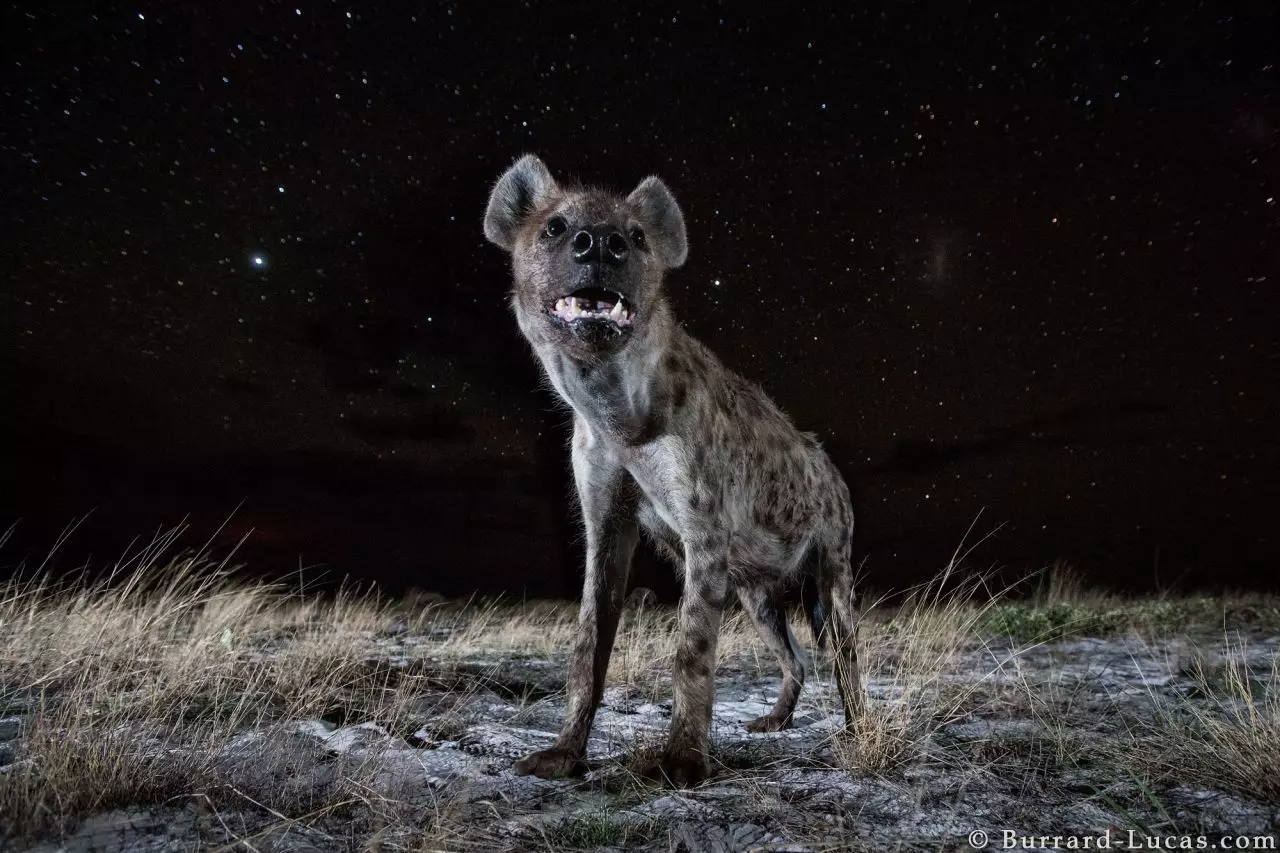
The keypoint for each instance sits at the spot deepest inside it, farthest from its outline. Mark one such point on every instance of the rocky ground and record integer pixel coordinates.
(1057, 738)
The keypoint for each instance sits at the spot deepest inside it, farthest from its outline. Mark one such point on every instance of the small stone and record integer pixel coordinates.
(10, 728)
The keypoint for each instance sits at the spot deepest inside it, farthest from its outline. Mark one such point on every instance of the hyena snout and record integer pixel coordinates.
(600, 244)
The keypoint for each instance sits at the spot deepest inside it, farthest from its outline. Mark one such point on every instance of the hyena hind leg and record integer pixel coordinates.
(842, 626)
(764, 605)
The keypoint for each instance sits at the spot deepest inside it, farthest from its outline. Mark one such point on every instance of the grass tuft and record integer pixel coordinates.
(1223, 733)
(602, 829)
(908, 657)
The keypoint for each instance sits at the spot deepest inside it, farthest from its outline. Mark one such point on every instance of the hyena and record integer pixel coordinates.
(667, 441)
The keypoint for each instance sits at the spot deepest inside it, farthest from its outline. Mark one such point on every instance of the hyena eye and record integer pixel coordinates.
(638, 238)
(555, 227)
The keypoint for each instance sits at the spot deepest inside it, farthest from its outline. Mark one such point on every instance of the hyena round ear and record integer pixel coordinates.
(522, 189)
(664, 223)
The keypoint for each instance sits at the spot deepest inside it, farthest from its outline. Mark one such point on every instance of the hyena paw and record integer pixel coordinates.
(769, 723)
(680, 768)
(550, 764)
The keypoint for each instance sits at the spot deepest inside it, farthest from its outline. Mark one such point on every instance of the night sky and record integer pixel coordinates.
(1011, 267)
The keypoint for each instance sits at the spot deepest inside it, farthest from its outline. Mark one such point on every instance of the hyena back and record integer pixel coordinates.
(669, 442)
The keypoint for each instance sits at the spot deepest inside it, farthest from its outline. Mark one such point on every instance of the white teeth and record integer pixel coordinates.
(570, 307)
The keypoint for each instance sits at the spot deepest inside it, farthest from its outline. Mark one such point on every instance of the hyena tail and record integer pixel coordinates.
(826, 570)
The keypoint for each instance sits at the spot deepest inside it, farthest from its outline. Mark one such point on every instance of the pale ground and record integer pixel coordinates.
(218, 718)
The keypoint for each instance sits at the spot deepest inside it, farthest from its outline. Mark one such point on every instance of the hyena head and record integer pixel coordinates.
(588, 264)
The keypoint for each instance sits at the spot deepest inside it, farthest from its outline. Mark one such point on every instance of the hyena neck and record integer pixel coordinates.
(625, 396)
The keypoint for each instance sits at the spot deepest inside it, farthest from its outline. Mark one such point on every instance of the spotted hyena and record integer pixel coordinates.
(669, 442)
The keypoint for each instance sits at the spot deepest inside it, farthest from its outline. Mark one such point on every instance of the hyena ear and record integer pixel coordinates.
(663, 220)
(521, 190)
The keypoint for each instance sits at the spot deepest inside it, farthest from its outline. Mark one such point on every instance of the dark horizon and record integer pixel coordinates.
(1017, 272)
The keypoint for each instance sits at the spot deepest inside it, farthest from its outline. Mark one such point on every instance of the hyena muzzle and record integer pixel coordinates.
(669, 442)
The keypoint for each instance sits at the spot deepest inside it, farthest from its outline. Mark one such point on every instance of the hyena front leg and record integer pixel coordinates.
(608, 510)
(706, 581)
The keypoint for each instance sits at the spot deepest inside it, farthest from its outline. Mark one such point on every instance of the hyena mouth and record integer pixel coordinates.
(594, 303)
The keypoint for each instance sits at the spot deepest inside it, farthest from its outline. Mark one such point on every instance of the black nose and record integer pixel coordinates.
(601, 243)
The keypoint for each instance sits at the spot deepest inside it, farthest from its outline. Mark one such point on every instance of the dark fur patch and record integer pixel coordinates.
(679, 392)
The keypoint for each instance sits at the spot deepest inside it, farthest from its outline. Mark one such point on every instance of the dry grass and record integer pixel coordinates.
(1224, 734)
(133, 687)
(137, 689)
(910, 651)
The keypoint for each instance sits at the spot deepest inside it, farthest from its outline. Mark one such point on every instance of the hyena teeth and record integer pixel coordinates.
(571, 307)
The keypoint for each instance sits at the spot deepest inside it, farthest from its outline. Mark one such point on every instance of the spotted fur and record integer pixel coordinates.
(668, 442)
